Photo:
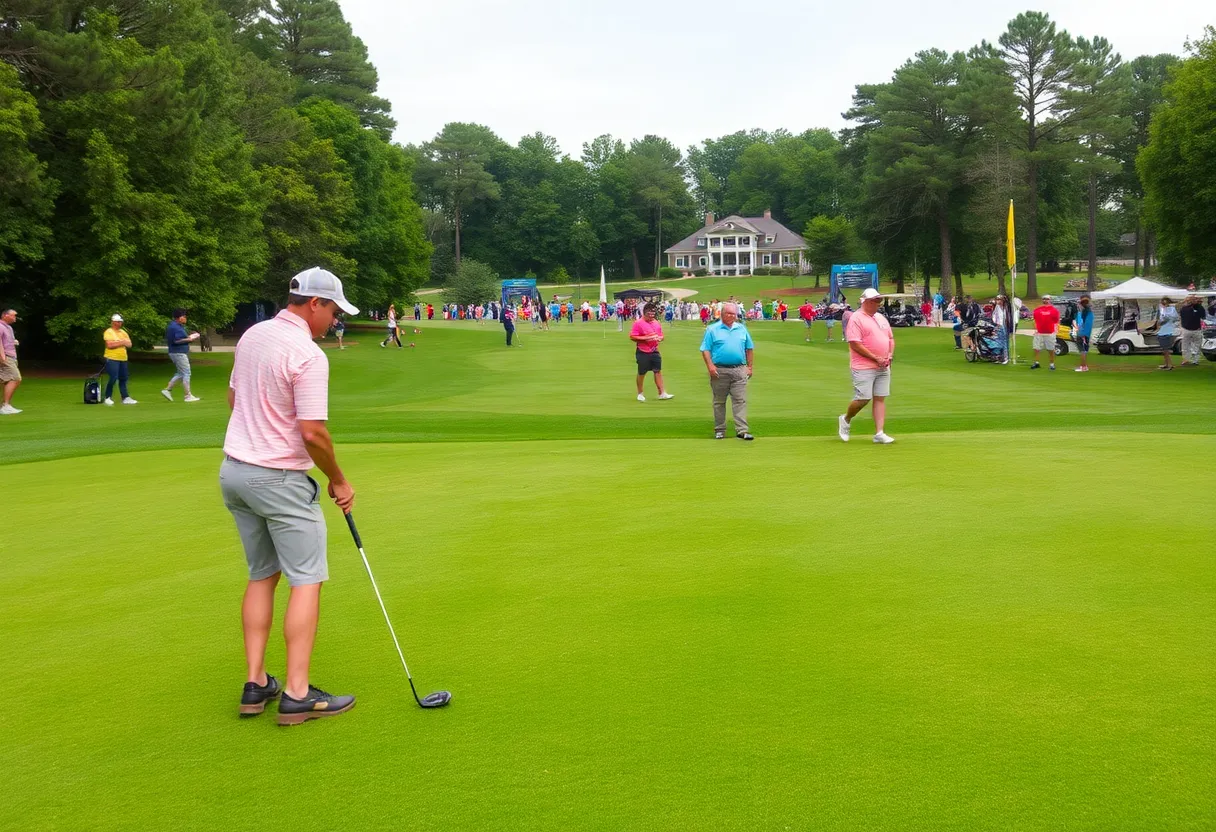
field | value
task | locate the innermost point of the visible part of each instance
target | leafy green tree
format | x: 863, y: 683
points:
x: 584, y: 245
x: 26, y: 193
x: 1042, y: 63
x: 159, y: 204
x: 1098, y: 93
x: 924, y: 130
x: 712, y: 162
x: 452, y: 171
x: 310, y: 203
x: 321, y: 52
x: 387, y: 238
x: 608, y: 209
x: 1180, y: 155
x: 658, y: 198
x: 1149, y: 74
x: 830, y: 240
x: 472, y: 282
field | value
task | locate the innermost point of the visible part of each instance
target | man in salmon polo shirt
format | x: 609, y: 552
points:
x: 647, y: 333
x: 279, y: 396
x: 871, y: 349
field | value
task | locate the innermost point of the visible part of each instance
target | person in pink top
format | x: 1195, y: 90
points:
x: 279, y: 397
x: 647, y: 334
x: 871, y: 350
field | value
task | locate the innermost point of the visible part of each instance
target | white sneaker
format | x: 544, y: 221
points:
x: 641, y: 398
x: 168, y: 394
x: 8, y: 410
x: 1079, y: 370
x: 109, y: 402
x: 192, y: 399
x: 882, y: 439
x: 666, y: 396
x: 129, y: 400
x: 842, y: 428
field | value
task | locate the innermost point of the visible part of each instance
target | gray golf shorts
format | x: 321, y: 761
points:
x: 181, y: 363
x: 870, y: 383
x: 278, y: 515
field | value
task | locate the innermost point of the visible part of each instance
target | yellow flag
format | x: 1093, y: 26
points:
x: 1010, y: 250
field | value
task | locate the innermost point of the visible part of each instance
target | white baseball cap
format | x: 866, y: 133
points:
x: 116, y: 317
x: 871, y: 294
x: 318, y: 283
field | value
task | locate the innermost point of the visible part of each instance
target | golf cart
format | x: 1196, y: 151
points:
x: 1209, y: 343
x: 1129, y: 325
x: 902, y: 310
x: 1068, y: 316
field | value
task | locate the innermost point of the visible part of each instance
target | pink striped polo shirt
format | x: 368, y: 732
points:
x: 279, y: 376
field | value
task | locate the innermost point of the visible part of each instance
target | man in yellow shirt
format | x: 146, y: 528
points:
x: 117, y: 341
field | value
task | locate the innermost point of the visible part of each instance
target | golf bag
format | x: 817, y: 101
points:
x: 982, y: 343
x: 92, y: 388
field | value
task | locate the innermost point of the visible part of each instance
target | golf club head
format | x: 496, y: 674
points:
x: 436, y: 700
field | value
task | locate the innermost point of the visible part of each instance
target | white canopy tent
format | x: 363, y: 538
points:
x: 1139, y: 288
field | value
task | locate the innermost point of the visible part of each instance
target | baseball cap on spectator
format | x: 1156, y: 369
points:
x: 319, y: 283
x: 116, y: 317
x: 871, y: 294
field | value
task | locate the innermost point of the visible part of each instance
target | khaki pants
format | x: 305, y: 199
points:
x: 731, y: 381
x: 1192, y: 345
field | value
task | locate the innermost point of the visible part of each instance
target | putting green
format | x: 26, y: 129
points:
x: 1006, y: 619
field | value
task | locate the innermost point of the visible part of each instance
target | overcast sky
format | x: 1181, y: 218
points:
x: 690, y: 70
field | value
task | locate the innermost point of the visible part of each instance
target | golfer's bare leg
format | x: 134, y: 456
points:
x: 640, y: 380
x: 658, y: 382
x: 879, y: 411
x: 300, y: 631
x: 9, y: 389
x: 855, y: 407
x: 257, y: 615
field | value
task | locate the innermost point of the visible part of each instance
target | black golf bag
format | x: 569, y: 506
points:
x: 92, y: 388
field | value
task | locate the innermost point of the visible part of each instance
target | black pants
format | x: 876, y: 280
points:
x: 510, y: 332
x: 392, y: 336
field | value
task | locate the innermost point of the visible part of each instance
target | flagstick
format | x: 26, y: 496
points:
x: 1016, y: 314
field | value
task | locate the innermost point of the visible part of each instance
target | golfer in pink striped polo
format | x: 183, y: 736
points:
x: 279, y: 395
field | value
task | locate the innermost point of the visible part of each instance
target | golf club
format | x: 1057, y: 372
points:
x: 432, y: 700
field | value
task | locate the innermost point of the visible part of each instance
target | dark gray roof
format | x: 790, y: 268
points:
x: 783, y: 238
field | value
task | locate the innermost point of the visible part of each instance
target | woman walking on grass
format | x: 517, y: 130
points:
x: 393, y: 335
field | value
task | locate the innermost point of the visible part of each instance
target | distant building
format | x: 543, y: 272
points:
x: 738, y: 245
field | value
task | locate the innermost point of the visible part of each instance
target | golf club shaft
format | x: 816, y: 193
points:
x: 350, y: 521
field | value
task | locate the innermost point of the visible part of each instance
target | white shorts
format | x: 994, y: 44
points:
x: 1044, y: 342
x: 870, y: 383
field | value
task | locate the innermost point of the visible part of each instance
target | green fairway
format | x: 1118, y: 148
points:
x: 1005, y: 620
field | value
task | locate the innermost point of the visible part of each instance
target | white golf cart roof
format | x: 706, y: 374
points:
x: 1138, y: 288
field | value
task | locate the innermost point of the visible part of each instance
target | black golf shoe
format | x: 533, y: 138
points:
x: 255, y: 696
x: 315, y: 705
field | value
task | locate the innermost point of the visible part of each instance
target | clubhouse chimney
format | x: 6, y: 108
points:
x: 709, y: 219
x: 768, y: 213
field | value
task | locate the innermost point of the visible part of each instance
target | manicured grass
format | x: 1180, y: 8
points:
x: 1007, y: 619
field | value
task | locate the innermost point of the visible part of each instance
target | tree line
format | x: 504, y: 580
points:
x: 1091, y: 148
x: 198, y: 153
x: 195, y: 153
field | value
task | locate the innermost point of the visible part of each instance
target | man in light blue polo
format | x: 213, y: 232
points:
x: 728, y: 349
